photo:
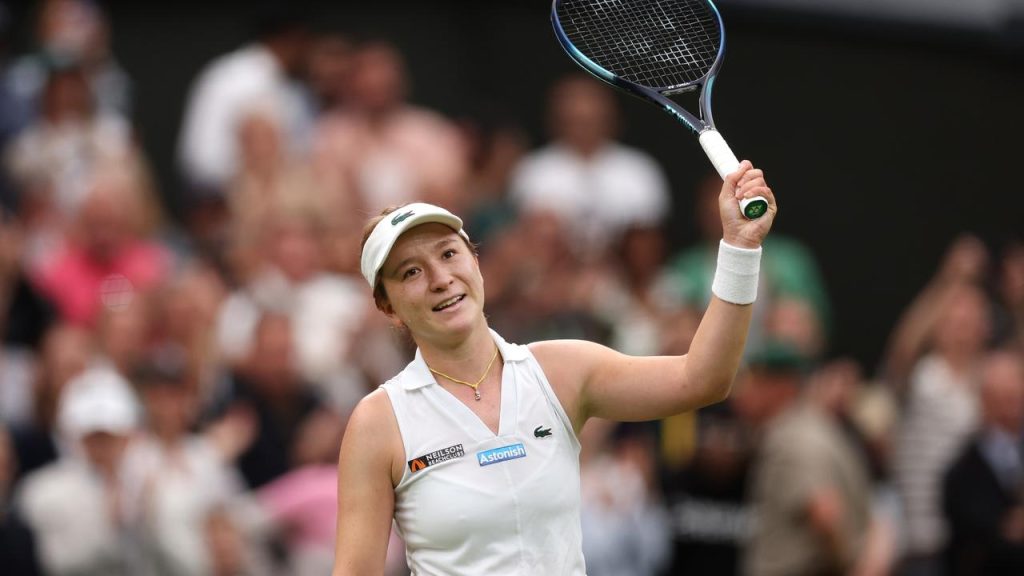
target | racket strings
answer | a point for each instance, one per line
(659, 44)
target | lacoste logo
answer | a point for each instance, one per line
(398, 219)
(541, 432)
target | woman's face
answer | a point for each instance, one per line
(432, 279)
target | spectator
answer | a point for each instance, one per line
(1010, 288)
(983, 491)
(55, 160)
(792, 301)
(596, 186)
(810, 488)
(302, 504)
(17, 546)
(384, 149)
(330, 70)
(262, 73)
(176, 479)
(65, 353)
(24, 316)
(538, 287)
(965, 264)
(270, 385)
(940, 411)
(495, 146)
(269, 181)
(185, 318)
(109, 260)
(708, 502)
(98, 414)
(13, 114)
(328, 310)
(231, 550)
(623, 522)
(628, 298)
(72, 30)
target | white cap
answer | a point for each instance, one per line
(98, 400)
(386, 232)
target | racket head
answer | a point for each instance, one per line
(664, 46)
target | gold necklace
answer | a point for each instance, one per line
(474, 386)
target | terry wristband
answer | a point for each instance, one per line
(736, 274)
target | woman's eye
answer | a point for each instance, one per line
(449, 253)
(410, 273)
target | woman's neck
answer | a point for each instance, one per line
(464, 358)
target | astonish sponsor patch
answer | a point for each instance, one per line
(498, 455)
(436, 457)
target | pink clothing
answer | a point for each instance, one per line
(81, 286)
(306, 502)
(413, 154)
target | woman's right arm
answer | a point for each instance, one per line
(368, 466)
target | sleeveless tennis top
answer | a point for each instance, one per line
(471, 502)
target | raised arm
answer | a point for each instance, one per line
(965, 263)
(366, 496)
(593, 380)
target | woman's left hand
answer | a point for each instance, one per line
(745, 182)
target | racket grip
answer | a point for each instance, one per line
(725, 163)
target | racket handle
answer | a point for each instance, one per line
(725, 163)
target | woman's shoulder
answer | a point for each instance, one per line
(560, 350)
(372, 408)
(372, 421)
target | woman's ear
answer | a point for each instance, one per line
(393, 318)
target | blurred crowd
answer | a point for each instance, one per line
(173, 391)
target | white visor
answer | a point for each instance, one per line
(386, 232)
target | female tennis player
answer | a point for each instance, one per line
(472, 448)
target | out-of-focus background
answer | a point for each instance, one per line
(185, 330)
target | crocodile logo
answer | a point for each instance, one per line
(541, 432)
(401, 217)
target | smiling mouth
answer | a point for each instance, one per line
(449, 303)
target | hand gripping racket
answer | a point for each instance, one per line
(654, 49)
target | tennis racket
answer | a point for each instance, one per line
(654, 49)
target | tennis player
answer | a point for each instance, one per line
(472, 448)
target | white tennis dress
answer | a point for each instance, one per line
(472, 503)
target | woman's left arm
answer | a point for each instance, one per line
(593, 380)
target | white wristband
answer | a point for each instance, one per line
(736, 274)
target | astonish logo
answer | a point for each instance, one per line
(401, 217)
(499, 455)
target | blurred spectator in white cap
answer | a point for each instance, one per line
(75, 506)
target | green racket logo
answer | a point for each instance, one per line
(755, 210)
